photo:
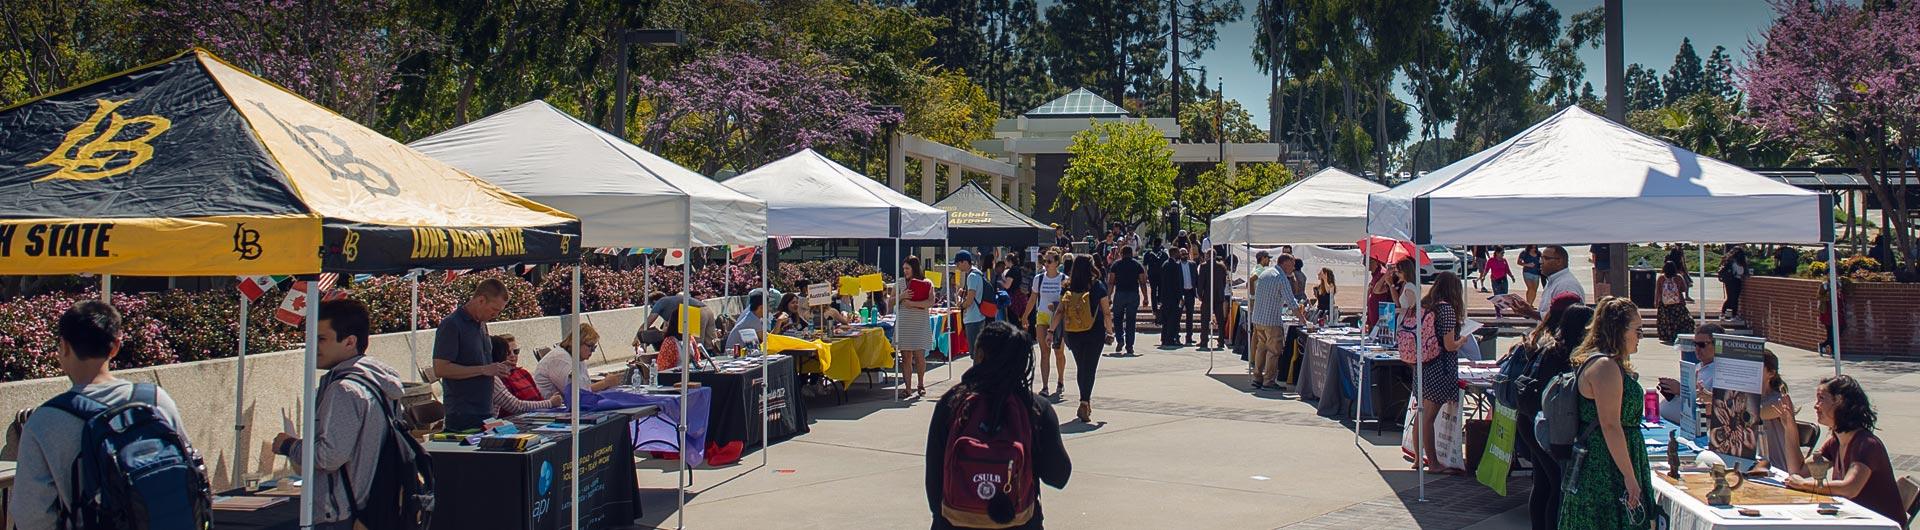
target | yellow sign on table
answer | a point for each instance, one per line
(873, 283)
(849, 286)
(934, 277)
(690, 320)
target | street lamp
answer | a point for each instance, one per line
(651, 37)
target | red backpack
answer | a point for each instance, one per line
(988, 468)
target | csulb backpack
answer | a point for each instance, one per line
(1077, 308)
(988, 468)
(134, 469)
(401, 496)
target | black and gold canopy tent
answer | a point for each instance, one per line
(193, 167)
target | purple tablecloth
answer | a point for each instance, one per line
(656, 433)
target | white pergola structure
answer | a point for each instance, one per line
(1005, 181)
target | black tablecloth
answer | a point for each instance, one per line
(1388, 384)
(532, 490)
(734, 418)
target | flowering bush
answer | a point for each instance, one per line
(812, 272)
(600, 289)
(1856, 268)
(29, 347)
(200, 324)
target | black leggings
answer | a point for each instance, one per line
(1086, 346)
(1732, 305)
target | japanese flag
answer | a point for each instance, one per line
(675, 256)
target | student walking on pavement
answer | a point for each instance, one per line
(992, 442)
(1085, 315)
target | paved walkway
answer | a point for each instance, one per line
(1173, 446)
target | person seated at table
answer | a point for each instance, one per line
(1781, 446)
(1004, 374)
(842, 311)
(1672, 407)
(1861, 470)
(504, 402)
(750, 322)
(554, 373)
(670, 346)
(517, 381)
(792, 319)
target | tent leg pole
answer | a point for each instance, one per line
(413, 327)
(899, 358)
(579, 377)
(308, 394)
(1702, 286)
(240, 397)
(687, 351)
(766, 406)
(1833, 307)
(106, 288)
(1420, 383)
(945, 250)
(1359, 387)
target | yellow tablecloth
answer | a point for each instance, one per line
(844, 359)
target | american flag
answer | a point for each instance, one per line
(327, 281)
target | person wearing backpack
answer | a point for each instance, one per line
(1567, 319)
(1441, 318)
(1085, 315)
(989, 424)
(350, 418)
(972, 291)
(69, 434)
(1672, 318)
(1608, 485)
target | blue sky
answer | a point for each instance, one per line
(1653, 32)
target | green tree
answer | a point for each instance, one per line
(1687, 77)
(1428, 155)
(1116, 48)
(1194, 28)
(1718, 77)
(1217, 191)
(1501, 42)
(1643, 89)
(1119, 171)
(1201, 120)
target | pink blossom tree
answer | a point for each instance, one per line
(342, 54)
(1838, 76)
(742, 110)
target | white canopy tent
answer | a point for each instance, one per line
(1326, 208)
(1579, 176)
(624, 195)
(633, 198)
(809, 196)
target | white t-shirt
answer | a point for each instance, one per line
(1409, 299)
(1559, 282)
(554, 371)
(1049, 290)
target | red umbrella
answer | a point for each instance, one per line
(1394, 249)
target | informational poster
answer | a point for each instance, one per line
(1689, 423)
(849, 286)
(873, 283)
(1733, 415)
(1498, 460)
(935, 278)
(819, 294)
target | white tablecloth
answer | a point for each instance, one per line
(1689, 513)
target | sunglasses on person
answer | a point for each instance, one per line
(1702, 344)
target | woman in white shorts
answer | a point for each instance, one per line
(1046, 292)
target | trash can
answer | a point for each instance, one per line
(1641, 282)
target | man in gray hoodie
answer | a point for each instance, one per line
(350, 423)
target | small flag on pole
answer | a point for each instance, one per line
(742, 254)
(293, 308)
(256, 286)
(675, 256)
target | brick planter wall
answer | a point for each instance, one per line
(1784, 310)
(1880, 318)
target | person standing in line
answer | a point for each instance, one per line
(1498, 273)
(1086, 313)
(913, 326)
(1862, 472)
(1551, 343)
(1005, 372)
(972, 291)
(1613, 487)
(1441, 383)
(89, 337)
(1672, 317)
(463, 357)
(349, 423)
(1272, 300)
(1734, 272)
(1129, 281)
(1530, 269)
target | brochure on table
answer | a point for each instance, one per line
(1733, 420)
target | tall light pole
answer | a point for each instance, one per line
(628, 38)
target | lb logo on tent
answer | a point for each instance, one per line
(91, 160)
(350, 248)
(246, 242)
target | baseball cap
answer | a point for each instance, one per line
(963, 256)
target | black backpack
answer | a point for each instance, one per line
(134, 469)
(401, 495)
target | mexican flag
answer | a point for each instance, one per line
(256, 286)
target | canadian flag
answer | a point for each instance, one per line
(675, 256)
(293, 308)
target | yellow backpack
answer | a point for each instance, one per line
(1077, 308)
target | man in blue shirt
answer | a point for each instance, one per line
(463, 357)
(974, 289)
(1273, 299)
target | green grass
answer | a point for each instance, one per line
(1656, 255)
